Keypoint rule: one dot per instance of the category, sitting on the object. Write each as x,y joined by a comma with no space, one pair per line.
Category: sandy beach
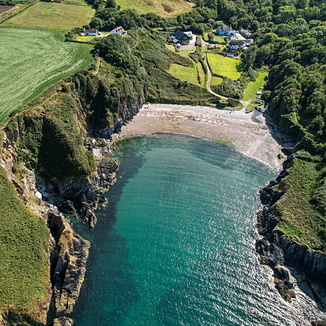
248,132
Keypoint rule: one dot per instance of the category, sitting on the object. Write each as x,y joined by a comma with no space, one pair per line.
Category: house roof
90,31
237,42
180,35
244,33
118,29
225,28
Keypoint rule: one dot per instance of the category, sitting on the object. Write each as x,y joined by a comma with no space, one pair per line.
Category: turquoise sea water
175,244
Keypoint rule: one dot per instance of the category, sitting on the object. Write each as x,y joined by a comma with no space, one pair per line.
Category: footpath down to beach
247,132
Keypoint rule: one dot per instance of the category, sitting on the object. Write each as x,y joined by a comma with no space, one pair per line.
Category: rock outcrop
69,253
80,196
63,321
277,251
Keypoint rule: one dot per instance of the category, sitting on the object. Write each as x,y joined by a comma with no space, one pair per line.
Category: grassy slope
253,87
298,218
161,7
54,16
24,239
188,73
224,66
35,60
216,80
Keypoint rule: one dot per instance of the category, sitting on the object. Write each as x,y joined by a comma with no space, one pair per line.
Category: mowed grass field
32,61
224,66
54,16
216,80
188,74
253,87
163,8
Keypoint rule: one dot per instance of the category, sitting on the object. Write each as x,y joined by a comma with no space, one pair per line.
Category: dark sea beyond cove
176,243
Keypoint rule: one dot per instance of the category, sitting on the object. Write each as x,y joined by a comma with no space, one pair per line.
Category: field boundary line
18,12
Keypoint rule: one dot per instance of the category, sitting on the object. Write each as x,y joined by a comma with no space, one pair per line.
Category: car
260,109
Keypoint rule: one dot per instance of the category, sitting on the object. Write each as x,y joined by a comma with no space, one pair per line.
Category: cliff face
68,259
276,249
55,153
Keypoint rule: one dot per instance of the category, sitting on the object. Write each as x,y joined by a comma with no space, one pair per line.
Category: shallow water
175,245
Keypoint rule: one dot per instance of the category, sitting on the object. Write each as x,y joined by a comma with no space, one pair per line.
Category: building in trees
181,37
225,30
90,32
118,30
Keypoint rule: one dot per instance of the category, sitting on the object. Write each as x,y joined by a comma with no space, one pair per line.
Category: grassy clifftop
301,208
24,268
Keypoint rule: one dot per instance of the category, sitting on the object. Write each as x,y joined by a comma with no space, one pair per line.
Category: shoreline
247,132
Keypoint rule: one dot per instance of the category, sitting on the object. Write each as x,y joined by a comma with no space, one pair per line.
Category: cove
175,244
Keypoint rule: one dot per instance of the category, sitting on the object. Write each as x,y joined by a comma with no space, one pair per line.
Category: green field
32,61
161,7
24,271
188,74
170,47
54,16
253,87
84,38
224,66
216,80
217,38
185,53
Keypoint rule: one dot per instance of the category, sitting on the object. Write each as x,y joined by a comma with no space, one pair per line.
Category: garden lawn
32,61
224,66
188,74
217,38
24,269
253,87
161,7
87,38
54,16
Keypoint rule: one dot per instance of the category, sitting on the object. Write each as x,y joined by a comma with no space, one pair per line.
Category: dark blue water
175,245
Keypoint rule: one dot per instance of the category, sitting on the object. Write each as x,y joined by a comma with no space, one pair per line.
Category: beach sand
248,132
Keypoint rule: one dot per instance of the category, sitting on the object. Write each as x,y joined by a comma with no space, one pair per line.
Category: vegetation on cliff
301,207
289,40
144,56
24,268
50,140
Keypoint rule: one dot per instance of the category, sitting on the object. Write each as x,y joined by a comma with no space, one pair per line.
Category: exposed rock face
277,250
68,263
63,321
79,196
318,322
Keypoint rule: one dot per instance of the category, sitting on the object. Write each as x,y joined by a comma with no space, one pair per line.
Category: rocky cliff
56,154
278,250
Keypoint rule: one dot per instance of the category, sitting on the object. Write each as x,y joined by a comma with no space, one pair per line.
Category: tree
211,37
111,4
